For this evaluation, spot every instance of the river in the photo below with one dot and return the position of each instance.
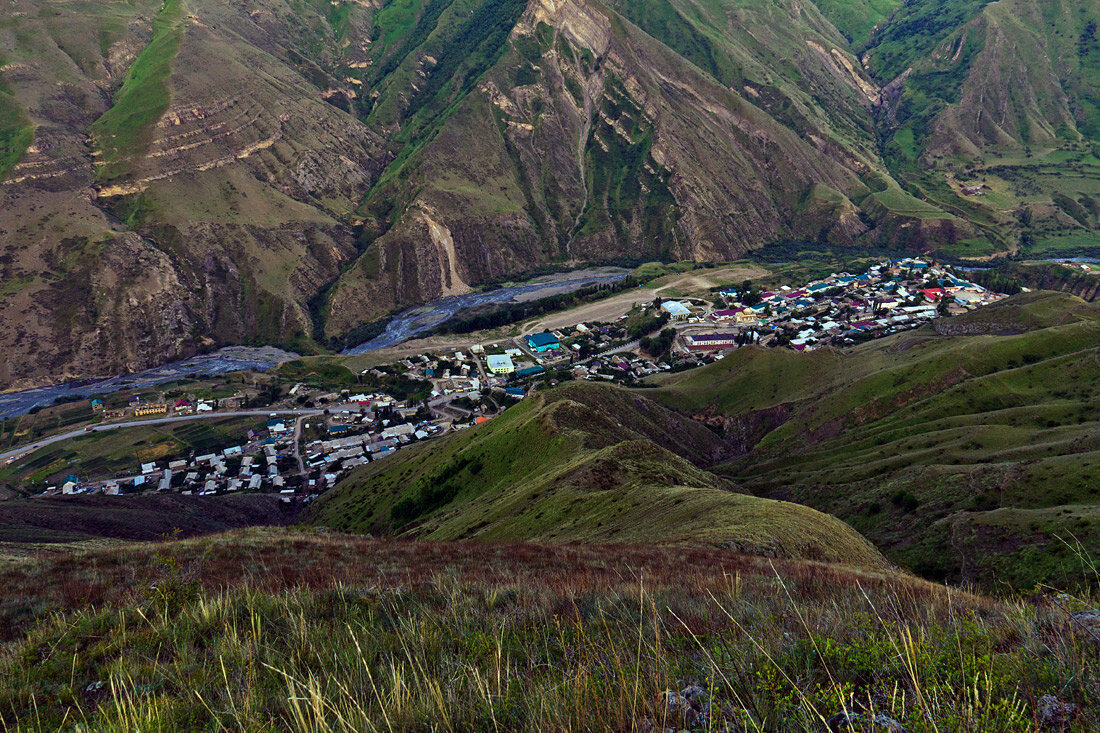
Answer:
(412, 322)
(404, 326)
(229, 359)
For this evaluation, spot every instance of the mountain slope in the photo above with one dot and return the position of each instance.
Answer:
(580, 463)
(959, 451)
(186, 173)
(1000, 97)
(189, 173)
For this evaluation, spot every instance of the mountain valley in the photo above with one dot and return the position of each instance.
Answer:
(192, 174)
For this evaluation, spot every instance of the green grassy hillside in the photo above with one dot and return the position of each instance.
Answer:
(287, 630)
(580, 463)
(1002, 96)
(125, 130)
(959, 454)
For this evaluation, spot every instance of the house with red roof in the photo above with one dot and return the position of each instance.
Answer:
(934, 294)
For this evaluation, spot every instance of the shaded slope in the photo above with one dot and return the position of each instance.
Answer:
(896, 435)
(580, 463)
(75, 518)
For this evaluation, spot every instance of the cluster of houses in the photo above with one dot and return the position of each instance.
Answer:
(363, 427)
(259, 465)
(842, 308)
(337, 455)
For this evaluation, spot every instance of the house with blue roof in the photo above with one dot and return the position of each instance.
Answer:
(540, 342)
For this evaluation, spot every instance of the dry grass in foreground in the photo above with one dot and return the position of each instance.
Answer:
(287, 630)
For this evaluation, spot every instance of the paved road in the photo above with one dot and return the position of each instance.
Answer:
(298, 445)
(30, 447)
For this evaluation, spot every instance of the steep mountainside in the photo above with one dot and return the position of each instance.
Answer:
(969, 451)
(180, 173)
(581, 463)
(191, 172)
(989, 110)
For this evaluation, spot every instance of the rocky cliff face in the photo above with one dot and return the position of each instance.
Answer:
(182, 173)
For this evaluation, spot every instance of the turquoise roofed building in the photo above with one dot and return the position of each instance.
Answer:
(540, 342)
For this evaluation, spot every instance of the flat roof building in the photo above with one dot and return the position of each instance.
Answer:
(500, 364)
(676, 309)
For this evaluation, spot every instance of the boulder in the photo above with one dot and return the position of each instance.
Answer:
(1053, 713)
(860, 721)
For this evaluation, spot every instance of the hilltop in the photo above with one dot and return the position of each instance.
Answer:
(203, 173)
(965, 450)
(290, 630)
(580, 463)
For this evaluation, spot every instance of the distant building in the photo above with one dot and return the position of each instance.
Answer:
(676, 309)
(540, 342)
(151, 409)
(97, 405)
(500, 364)
(711, 341)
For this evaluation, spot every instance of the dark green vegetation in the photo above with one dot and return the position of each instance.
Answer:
(503, 314)
(286, 630)
(1009, 277)
(580, 463)
(968, 451)
(58, 519)
(324, 373)
(16, 132)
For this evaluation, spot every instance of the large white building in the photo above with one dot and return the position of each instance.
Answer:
(500, 364)
(676, 309)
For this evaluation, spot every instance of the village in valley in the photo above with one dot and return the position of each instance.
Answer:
(302, 437)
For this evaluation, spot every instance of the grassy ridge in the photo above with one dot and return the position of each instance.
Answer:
(125, 130)
(580, 463)
(919, 440)
(269, 629)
